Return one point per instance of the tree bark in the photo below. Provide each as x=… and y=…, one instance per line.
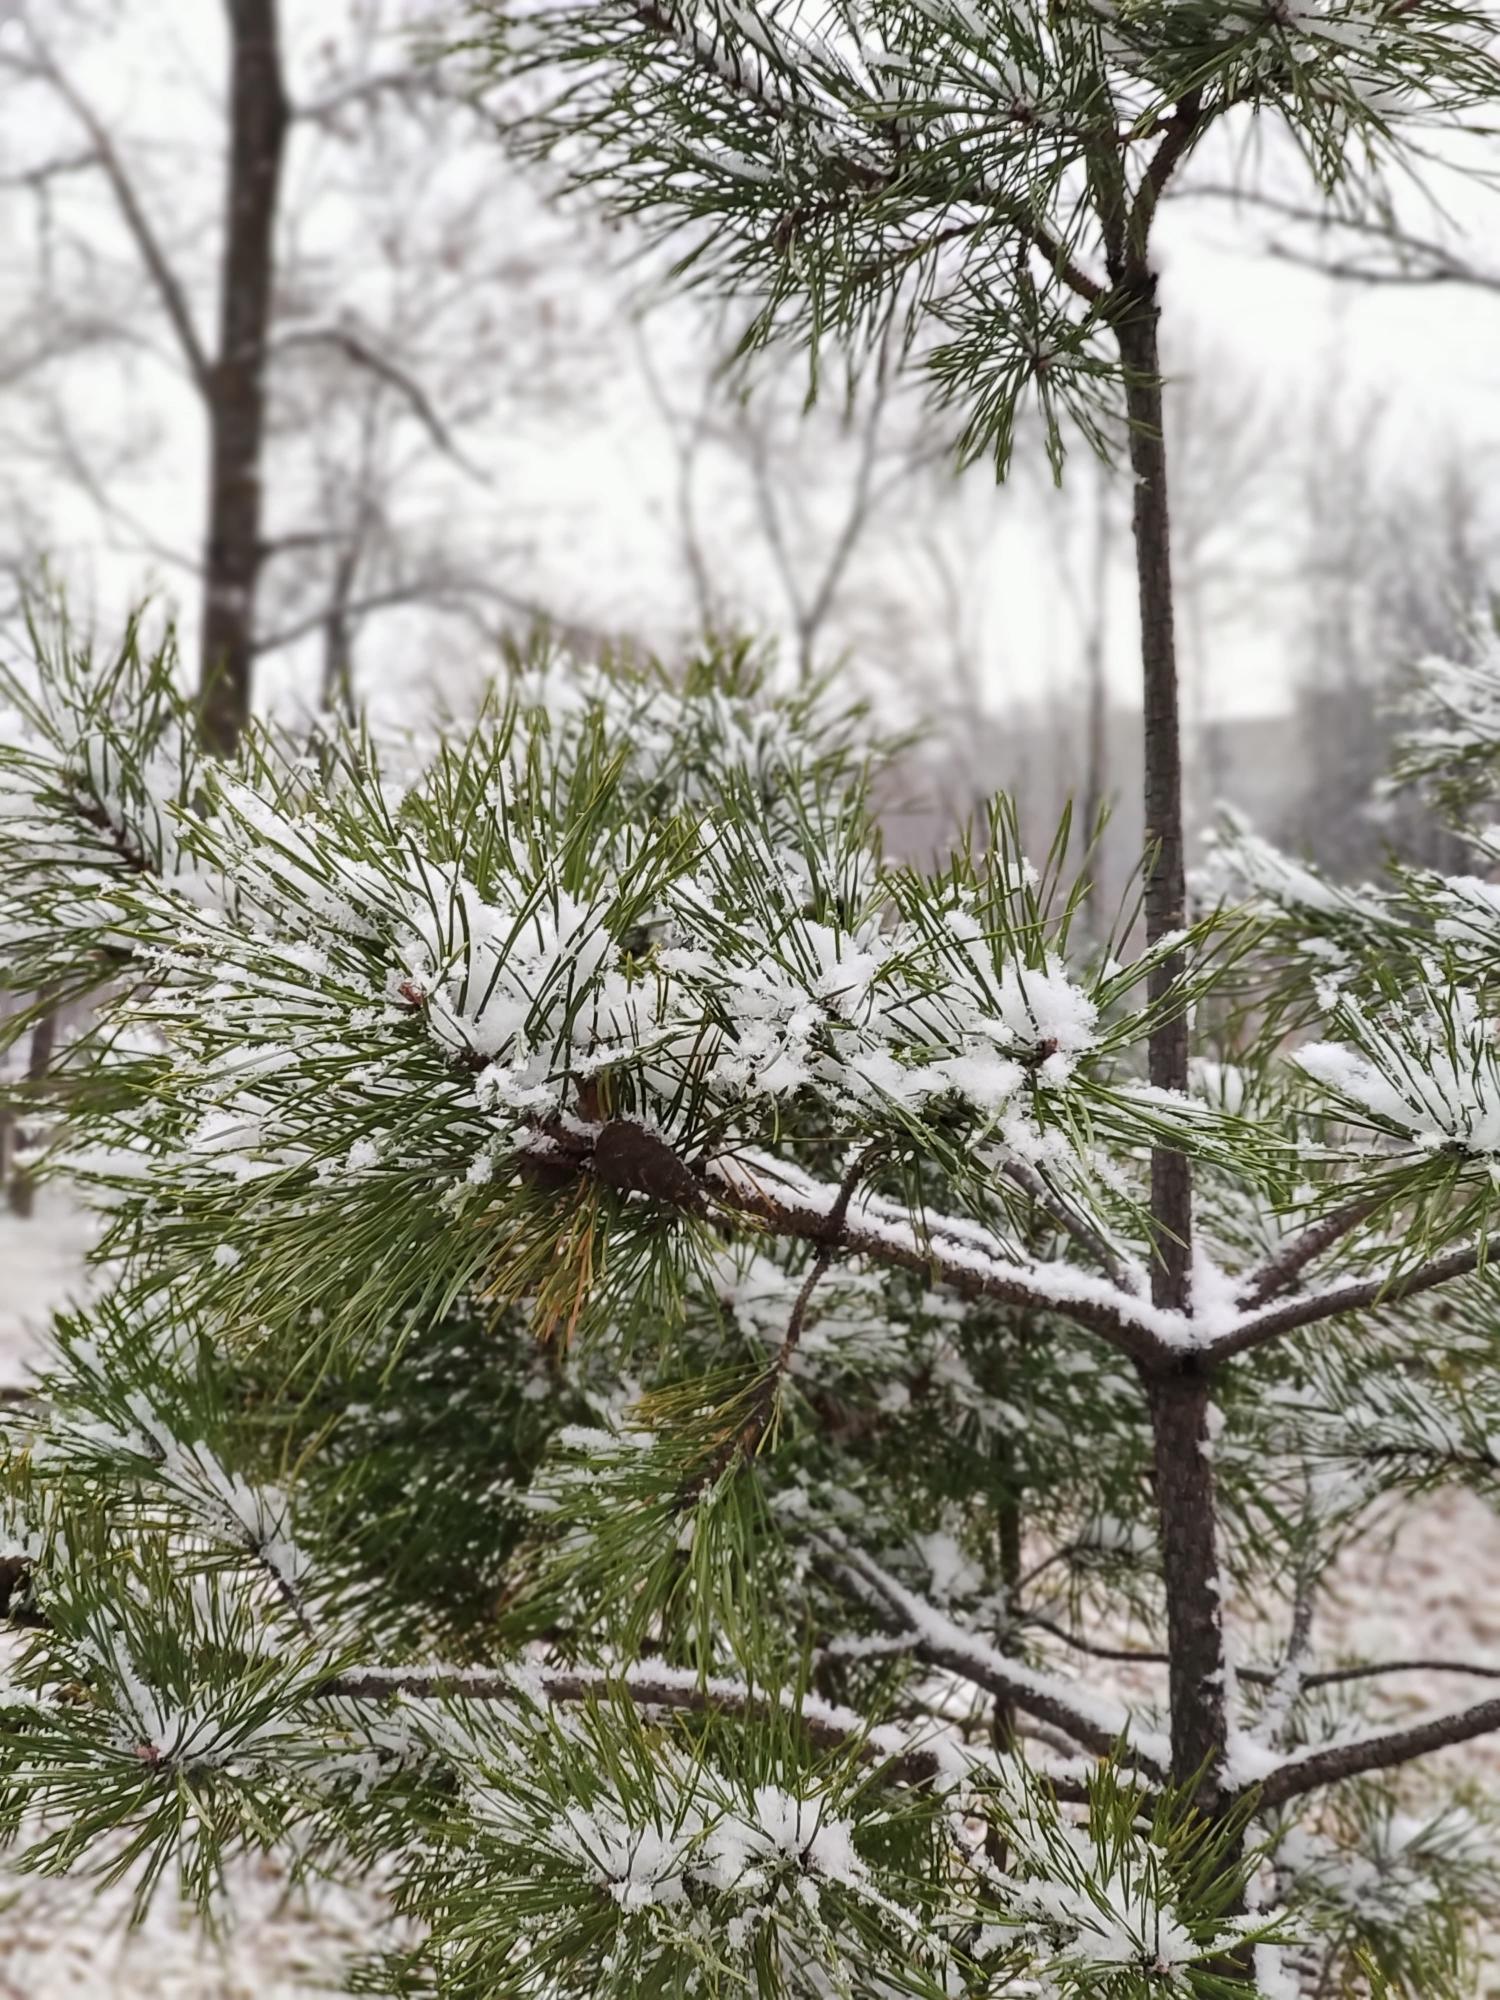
x=236, y=390
x=1185, y=1501
x=1166, y=894
x=1179, y=1396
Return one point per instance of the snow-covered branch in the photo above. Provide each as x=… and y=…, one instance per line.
x=1357, y=1295
x=1096, y=1722
x=1282, y=1271
x=1331, y=1764
x=947, y=1250
x=901, y=1756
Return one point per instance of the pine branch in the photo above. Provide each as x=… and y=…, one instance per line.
x=1313, y=1769
x=1097, y=1724
x=1283, y=1270
x=655, y=1687
x=744, y=1444
x=946, y=1250
x=819, y=1269
x=1069, y=1221
x=1179, y=132
x=1357, y=1296
x=285, y=1589
x=865, y=175
x=943, y=1254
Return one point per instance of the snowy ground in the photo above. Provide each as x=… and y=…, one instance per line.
x=1435, y=1590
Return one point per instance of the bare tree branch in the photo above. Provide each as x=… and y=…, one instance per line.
x=1414, y=259
x=456, y=594
x=47, y=171
x=686, y=439
x=148, y=244
x=364, y=354
x=416, y=81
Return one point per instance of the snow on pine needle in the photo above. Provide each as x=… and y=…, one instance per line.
x=543, y=931
x=613, y=1397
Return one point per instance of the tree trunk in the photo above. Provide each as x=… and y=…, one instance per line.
x=1185, y=1503
x=1096, y=697
x=1166, y=894
x=237, y=381
x=337, y=690
x=1180, y=1400
x=22, y=1190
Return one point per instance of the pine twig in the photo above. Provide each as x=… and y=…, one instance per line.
x=941, y=1643
x=1313, y=1769
x=746, y=1441
x=1283, y=1270
x=1356, y=1296
x=1068, y=1220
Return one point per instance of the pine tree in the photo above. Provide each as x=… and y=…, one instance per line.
x=648, y=1360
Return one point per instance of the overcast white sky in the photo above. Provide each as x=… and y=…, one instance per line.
x=593, y=484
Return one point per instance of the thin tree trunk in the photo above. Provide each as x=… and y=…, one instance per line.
x=1179, y=1401
x=237, y=384
x=1096, y=702
x=337, y=690
x=336, y=696
x=1166, y=893
x=22, y=1190
x=1096, y=693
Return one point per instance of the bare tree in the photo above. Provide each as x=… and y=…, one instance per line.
x=849, y=517
x=349, y=357
x=1394, y=562
x=230, y=380
x=1379, y=248
x=805, y=492
x=335, y=381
